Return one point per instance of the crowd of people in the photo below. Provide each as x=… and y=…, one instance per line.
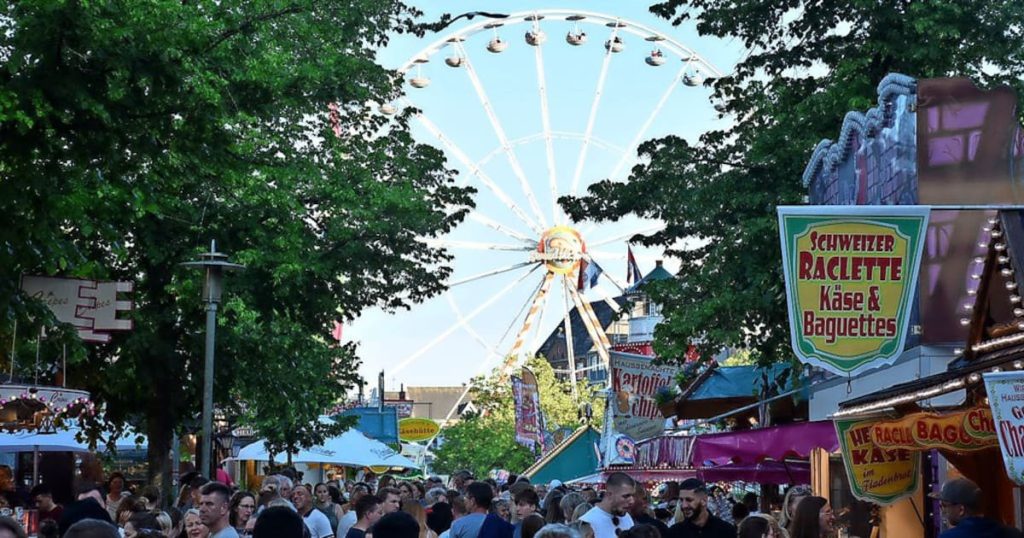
x=283, y=506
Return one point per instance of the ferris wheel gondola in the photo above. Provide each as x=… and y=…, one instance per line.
x=655, y=58
x=496, y=44
x=615, y=44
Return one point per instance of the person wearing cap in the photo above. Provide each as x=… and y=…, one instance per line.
x=960, y=503
x=693, y=502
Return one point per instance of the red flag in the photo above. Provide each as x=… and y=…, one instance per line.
x=633, y=275
x=336, y=333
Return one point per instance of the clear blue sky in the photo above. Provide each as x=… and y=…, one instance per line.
x=509, y=79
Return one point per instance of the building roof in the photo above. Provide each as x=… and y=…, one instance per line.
x=554, y=349
x=729, y=387
x=433, y=402
x=658, y=273
x=737, y=382
x=572, y=458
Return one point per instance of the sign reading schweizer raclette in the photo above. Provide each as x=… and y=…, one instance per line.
x=417, y=429
x=851, y=274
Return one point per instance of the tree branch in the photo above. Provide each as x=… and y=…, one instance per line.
x=249, y=23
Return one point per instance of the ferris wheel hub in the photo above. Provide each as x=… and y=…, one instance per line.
x=560, y=249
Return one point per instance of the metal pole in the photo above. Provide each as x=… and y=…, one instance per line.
x=211, y=328
x=175, y=466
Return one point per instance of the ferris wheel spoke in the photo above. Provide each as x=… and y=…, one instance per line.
x=549, y=145
x=474, y=245
x=609, y=299
x=589, y=132
x=570, y=352
x=607, y=275
x=472, y=332
x=499, y=130
x=591, y=323
x=538, y=300
x=635, y=143
x=622, y=255
x=492, y=272
x=497, y=226
x=626, y=236
x=461, y=156
x=461, y=322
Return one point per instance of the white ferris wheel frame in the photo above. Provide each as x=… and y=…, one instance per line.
x=692, y=62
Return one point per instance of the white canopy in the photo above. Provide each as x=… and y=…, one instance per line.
x=61, y=441
x=351, y=449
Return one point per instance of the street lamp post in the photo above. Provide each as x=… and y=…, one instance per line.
x=214, y=264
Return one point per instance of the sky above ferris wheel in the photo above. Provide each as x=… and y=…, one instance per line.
x=493, y=128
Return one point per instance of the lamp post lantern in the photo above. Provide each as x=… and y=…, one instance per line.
x=214, y=264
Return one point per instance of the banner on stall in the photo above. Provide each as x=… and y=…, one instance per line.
x=851, y=275
x=1006, y=400
x=529, y=424
x=635, y=379
x=876, y=474
x=961, y=431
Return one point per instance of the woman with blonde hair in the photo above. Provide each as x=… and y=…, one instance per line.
x=793, y=497
x=415, y=509
x=760, y=526
x=580, y=510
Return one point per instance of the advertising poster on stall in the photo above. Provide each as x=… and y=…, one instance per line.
x=851, y=275
x=876, y=474
x=529, y=423
x=1006, y=400
x=635, y=379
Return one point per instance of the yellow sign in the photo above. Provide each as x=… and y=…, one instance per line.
x=850, y=280
x=417, y=429
x=877, y=474
x=968, y=430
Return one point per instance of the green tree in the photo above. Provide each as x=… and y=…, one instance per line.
x=132, y=133
x=810, y=63
x=487, y=440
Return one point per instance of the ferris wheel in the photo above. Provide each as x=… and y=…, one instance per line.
x=543, y=141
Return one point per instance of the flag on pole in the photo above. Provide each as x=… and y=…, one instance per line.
x=590, y=271
x=633, y=275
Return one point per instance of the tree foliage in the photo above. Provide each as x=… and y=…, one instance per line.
x=132, y=133
x=487, y=441
x=809, y=64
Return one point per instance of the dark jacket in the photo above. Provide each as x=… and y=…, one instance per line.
x=977, y=527
x=495, y=527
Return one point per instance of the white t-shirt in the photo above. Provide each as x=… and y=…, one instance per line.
x=318, y=524
x=602, y=524
x=346, y=522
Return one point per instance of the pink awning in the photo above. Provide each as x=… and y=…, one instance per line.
x=767, y=472
x=754, y=446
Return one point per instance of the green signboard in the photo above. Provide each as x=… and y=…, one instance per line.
x=851, y=275
x=878, y=475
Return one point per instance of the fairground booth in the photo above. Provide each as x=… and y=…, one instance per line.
x=903, y=289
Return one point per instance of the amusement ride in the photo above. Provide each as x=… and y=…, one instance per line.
x=536, y=242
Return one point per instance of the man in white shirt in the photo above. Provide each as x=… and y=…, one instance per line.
x=318, y=524
x=610, y=516
x=214, y=510
x=348, y=520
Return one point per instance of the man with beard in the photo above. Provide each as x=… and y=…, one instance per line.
x=693, y=501
x=610, y=516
